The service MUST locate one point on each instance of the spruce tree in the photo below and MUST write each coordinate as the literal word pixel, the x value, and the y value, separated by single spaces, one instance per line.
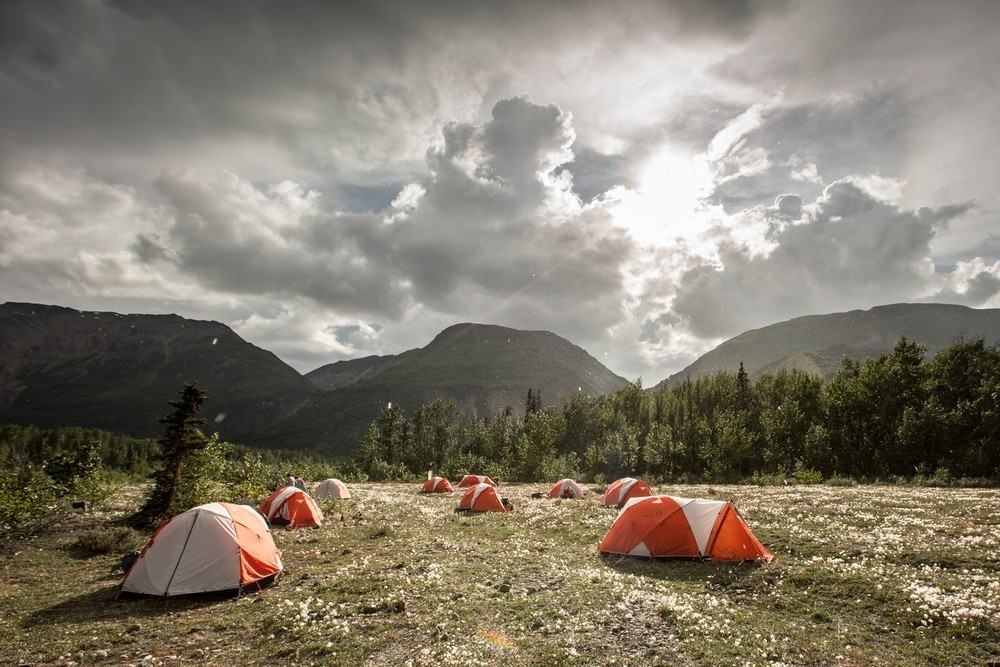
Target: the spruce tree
pixel 180 440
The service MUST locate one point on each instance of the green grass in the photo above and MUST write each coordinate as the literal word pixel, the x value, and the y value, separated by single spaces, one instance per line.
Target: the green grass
pixel 862 576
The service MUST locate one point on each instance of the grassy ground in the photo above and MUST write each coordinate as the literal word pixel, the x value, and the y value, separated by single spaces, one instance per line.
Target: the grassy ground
pixel 862 576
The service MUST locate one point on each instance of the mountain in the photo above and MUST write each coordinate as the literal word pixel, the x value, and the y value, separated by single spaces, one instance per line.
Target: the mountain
pixel 345 373
pixel 818 343
pixel 480 367
pixel 64 367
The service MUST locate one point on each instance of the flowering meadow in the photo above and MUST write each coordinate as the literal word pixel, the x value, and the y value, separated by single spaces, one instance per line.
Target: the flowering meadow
pixel 863 575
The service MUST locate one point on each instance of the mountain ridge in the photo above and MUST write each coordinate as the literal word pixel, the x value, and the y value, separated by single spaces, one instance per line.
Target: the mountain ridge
pixel 818 343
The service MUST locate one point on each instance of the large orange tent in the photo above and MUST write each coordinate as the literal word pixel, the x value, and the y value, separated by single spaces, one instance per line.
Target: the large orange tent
pixel 332 488
pixel 293 507
pixel 437 485
pixel 472 480
pixel 623 489
pixel 665 526
pixel 213 547
pixel 482 498
pixel 566 488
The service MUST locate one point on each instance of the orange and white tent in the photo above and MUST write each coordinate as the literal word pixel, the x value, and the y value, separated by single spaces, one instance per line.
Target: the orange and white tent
pixel 332 488
pixel 623 489
pixel 213 547
pixel 293 507
pixel 472 480
pixel 437 485
pixel 566 488
pixel 665 526
pixel 482 498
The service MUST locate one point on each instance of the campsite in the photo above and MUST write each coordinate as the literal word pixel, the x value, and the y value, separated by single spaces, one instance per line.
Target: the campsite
pixel 862 575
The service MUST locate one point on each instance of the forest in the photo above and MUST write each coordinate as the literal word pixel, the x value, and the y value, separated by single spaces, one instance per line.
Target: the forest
pixel 897 417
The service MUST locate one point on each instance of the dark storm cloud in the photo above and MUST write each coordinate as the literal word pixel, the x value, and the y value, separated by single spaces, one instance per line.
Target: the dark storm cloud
pixel 491 234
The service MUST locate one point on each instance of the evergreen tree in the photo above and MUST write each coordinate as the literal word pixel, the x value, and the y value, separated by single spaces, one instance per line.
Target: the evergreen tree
pixel 533 403
pixel 181 440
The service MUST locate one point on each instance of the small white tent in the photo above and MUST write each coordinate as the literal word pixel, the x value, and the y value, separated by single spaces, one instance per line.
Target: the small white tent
pixel 332 488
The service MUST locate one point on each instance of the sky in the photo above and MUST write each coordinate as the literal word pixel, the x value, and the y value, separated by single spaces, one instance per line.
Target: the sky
pixel 335 180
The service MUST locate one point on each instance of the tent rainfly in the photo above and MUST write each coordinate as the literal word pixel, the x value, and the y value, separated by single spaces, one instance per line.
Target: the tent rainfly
pixel 437 485
pixel 482 498
pixel 472 480
pixel 332 488
pixel 623 489
pixel 292 506
pixel 665 527
pixel 213 547
pixel 566 488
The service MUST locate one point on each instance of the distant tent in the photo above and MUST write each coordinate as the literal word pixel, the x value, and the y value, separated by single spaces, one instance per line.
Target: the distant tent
pixel 213 547
pixel 292 506
pixel 472 480
pixel 437 485
pixel 482 498
pixel 566 488
pixel 623 489
pixel 665 526
pixel 332 488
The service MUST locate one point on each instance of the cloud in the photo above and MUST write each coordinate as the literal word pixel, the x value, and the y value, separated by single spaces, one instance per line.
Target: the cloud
pixel 972 283
pixel 849 249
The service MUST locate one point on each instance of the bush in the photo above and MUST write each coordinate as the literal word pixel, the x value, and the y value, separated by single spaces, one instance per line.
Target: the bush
pixel 840 481
pixel 808 476
pixel 108 540
pixel 25 496
pixel 941 478
pixel 98 486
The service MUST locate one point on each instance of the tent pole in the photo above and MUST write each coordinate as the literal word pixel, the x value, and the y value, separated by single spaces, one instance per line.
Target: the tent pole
pixel 166 590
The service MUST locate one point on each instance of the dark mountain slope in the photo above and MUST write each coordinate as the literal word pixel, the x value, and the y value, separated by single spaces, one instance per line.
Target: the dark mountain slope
pixel 63 367
pixel 480 367
pixel 818 343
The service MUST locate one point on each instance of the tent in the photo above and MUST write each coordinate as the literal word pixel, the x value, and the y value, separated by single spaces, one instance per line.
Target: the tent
pixel 566 488
pixel 665 526
pixel 472 480
pixel 437 485
pixel 332 488
pixel 293 507
pixel 623 489
pixel 482 498
pixel 213 547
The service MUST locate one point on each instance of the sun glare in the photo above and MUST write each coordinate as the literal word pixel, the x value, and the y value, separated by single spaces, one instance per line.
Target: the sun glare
pixel 666 203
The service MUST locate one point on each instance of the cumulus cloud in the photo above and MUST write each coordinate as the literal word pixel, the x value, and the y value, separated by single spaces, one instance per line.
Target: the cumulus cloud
pixel 848 249
pixel 337 180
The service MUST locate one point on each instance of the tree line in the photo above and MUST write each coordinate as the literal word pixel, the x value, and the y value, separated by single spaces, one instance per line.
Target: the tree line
pixel 900 416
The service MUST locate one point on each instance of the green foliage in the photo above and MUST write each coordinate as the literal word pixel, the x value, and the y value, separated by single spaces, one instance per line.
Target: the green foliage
pixel 894 416
pixel 23 445
pixel 808 475
pixel 173 491
pixel 67 468
pixel 25 495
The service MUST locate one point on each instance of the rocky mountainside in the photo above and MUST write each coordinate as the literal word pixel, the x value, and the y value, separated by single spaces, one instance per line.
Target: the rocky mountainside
pixel 818 343
pixel 480 367
pixel 64 367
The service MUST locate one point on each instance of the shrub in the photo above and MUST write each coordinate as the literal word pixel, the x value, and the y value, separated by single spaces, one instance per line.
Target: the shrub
pixel 117 539
pixel 24 496
pixel 808 476
pixel 941 478
pixel 840 481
